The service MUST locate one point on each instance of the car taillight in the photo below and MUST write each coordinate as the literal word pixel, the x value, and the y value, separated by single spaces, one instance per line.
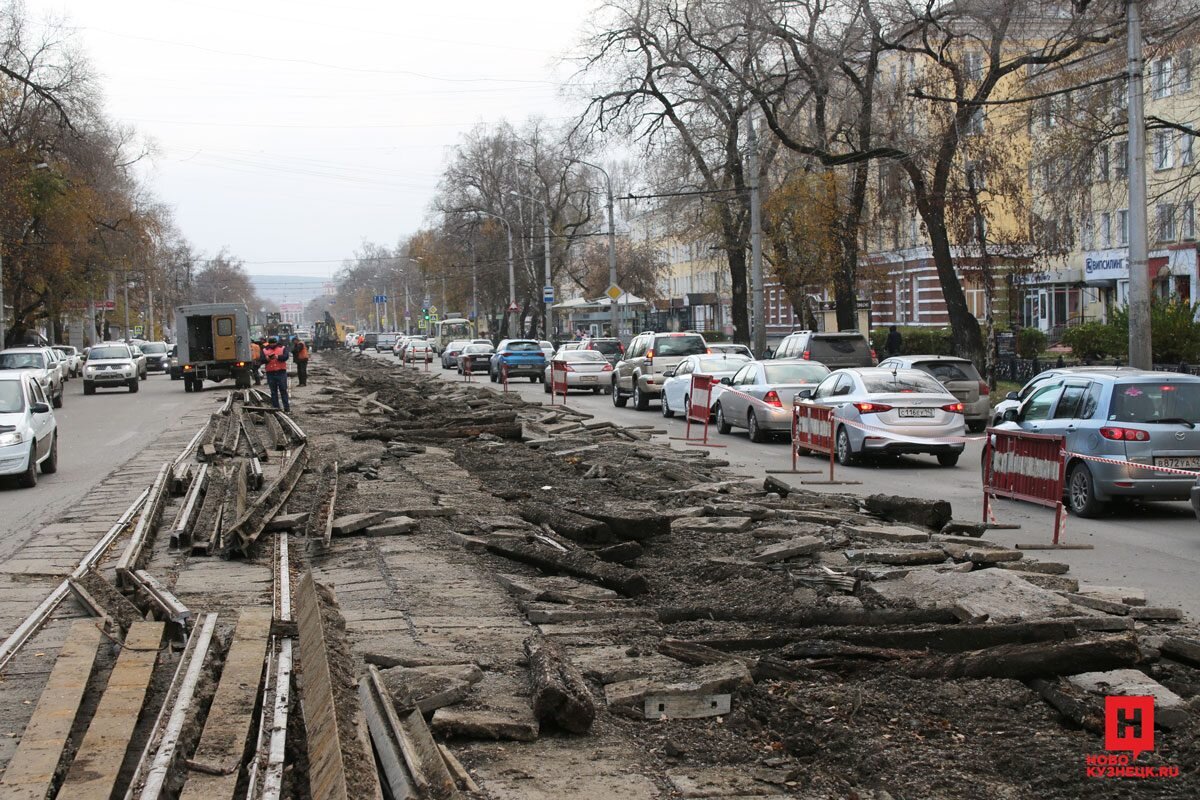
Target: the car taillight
pixel 772 399
pixel 240 364
pixel 568 368
pixel 505 354
pixel 806 355
pixel 873 356
pixel 953 408
pixel 984 389
pixel 1125 434
pixel 187 367
pixel 872 408
pixel 649 357
pixel 607 367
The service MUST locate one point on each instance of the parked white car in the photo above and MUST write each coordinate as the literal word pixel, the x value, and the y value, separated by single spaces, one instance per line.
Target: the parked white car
pixel 74 359
pixel 38 362
pixel 110 364
pixel 677 383
pixel 28 430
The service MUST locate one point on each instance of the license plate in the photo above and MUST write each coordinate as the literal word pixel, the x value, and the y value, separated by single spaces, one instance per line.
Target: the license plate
pixel 915 412
pixel 1178 462
pixel 587 378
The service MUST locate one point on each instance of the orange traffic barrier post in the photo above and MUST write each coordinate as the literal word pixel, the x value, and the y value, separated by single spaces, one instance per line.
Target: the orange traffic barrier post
pixel 1029 467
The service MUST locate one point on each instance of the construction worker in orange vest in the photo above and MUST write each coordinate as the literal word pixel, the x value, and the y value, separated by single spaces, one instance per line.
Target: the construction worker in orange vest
pixel 300 354
pixel 275 357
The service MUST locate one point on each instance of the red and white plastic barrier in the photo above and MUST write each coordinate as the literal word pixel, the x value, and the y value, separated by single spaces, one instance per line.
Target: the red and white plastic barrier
pixel 699 410
pixel 1029 467
pixel 467 372
pixel 504 375
pixel 558 380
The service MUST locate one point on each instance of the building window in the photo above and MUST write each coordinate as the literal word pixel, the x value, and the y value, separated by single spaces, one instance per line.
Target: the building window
pixel 1163 155
pixel 1106 229
pixel 1087 232
pixel 1102 163
pixel 1166 222
pixel 974 123
pixel 1121 157
pixel 1187 221
pixel 1121 96
pixel 1160 77
pixel 1046 112
pixel 973 66
pixel 1123 227
pixel 976 179
pixel 1183 71
pixel 1187 143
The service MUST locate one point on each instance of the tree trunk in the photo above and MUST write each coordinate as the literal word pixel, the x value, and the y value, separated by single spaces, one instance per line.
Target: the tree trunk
pixel 1026 661
pixel 560 695
pixel 964 328
pixel 738 279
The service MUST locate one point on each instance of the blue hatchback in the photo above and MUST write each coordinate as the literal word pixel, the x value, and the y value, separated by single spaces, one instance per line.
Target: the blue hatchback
pixel 521 357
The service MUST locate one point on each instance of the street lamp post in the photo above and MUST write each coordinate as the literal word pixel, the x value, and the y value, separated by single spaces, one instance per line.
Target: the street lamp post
pixel 612 244
pixel 546 248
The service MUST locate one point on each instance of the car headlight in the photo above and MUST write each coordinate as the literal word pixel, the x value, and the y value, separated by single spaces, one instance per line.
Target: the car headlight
pixel 10 438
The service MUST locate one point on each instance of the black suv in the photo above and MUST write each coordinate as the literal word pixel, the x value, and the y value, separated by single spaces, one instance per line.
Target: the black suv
pixel 834 350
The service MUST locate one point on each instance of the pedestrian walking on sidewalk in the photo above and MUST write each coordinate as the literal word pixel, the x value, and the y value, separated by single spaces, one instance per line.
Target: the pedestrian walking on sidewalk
pixel 300 354
pixel 275 357
pixel 894 341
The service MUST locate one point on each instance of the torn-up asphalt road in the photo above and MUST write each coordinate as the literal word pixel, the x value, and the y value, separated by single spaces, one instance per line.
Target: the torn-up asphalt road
pixel 546 575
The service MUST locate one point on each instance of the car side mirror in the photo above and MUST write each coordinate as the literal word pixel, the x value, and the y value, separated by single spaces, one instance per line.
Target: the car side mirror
pixel 669 373
pixel 40 408
pixel 727 381
pixel 1010 414
pixel 804 394
pixel 1012 396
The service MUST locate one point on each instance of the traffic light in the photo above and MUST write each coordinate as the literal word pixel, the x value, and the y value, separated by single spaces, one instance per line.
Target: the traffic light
pixel 425 314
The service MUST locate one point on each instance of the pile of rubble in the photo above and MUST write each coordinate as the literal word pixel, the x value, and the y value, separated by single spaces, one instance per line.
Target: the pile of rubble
pixel 748 636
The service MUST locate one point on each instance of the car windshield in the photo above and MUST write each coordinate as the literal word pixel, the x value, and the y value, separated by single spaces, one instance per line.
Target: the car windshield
pixel 30 360
pixel 903 382
pixel 729 363
pixel 97 353
pixel 672 346
pixel 608 348
pixel 1150 401
pixel 12 399
pixel 523 347
pixel 546 345
pixel 795 373
pixel 155 348
pixel 837 345
pixel 477 348
pixel 946 371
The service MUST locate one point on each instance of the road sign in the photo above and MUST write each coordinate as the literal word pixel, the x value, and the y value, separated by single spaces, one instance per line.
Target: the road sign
pixel 137 330
pixel 547 294
pixel 381 298
pixel 421 324
pixel 433 309
pixel 614 292
pixel 513 306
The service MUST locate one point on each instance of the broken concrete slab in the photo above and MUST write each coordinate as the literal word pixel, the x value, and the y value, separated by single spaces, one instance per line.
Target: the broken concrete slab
pixel 416 688
pixel 896 556
pixel 989 594
pixel 1045 567
pixel 799 546
pixel 1159 613
pixel 615 663
pixel 542 613
pixel 514 724
pixel 1099 604
pixel 693 525
pixel 932 514
pixel 708 783
pixel 353 523
pixel 622 553
pixel 889 533
pixel 286 522
pixel 392 527
pixel 1128 595
pixel 963 527
pixel 628 697
pixel 554 588
pixel 1170 710
pixel 1055 583
pixel 939 538
pixel 980 555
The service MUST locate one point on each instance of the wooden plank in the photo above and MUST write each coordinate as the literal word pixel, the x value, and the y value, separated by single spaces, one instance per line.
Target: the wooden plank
pixel 32 767
pixel 686 706
pixel 227 727
pixel 93 774
pixel 326 770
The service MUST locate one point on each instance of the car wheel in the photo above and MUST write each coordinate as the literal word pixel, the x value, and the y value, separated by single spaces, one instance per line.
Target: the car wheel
pixel 976 427
pixel 491 376
pixel 723 425
pixel 533 379
pixel 57 400
pixel 948 459
pixel 144 375
pixel 640 401
pixel 595 390
pixel 50 465
pixel 133 385
pixel 757 434
pixel 546 388
pixel 666 407
pixel 619 400
pixel 89 387
pixel 843 449
pixel 28 478
pixel 1081 492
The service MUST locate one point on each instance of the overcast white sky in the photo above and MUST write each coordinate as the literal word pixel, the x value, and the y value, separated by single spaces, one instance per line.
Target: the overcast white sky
pixel 291 131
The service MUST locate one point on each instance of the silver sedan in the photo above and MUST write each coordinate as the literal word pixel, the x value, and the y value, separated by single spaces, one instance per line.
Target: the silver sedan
pixel 759 397
pixel 889 412
pixel 678 380
pixel 586 369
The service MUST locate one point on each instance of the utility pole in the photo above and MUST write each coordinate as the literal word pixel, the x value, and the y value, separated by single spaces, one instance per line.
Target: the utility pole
pixel 125 281
pixel 407 310
pixel 758 317
pixel 615 316
pixel 150 308
pixel 1140 351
